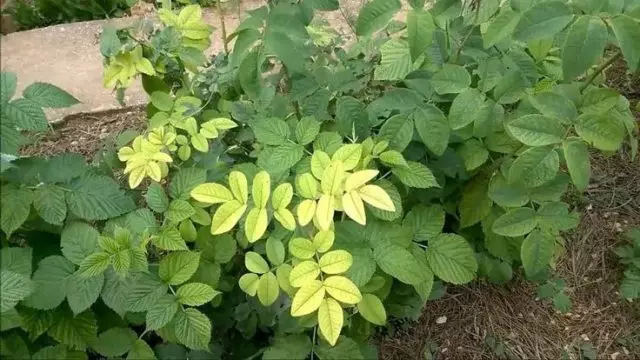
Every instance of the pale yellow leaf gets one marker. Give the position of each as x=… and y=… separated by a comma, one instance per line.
x=335, y=262
x=308, y=298
x=323, y=241
x=136, y=176
x=238, y=185
x=375, y=196
x=227, y=216
x=306, y=209
x=325, y=211
x=285, y=218
x=260, y=189
x=282, y=196
x=342, y=289
x=349, y=154
x=353, y=206
x=249, y=283
x=319, y=162
x=303, y=273
x=330, y=320
x=211, y=193
x=333, y=177
x=302, y=248
x=307, y=186
x=255, y=224
x=359, y=178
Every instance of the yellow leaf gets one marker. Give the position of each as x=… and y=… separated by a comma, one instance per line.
x=125, y=153
x=323, y=241
x=306, y=210
x=136, y=176
x=307, y=186
x=260, y=189
x=223, y=123
x=319, y=162
x=268, y=289
x=282, y=274
x=349, y=154
x=191, y=13
x=200, y=143
x=211, y=193
x=285, y=218
x=359, y=178
x=162, y=157
x=227, y=216
x=375, y=196
x=153, y=171
x=282, y=196
x=325, y=211
x=332, y=178
x=303, y=273
x=307, y=299
x=335, y=262
x=255, y=224
x=249, y=283
x=255, y=263
x=238, y=186
x=209, y=133
x=330, y=320
x=302, y=248
x=354, y=207
x=372, y=309
x=342, y=289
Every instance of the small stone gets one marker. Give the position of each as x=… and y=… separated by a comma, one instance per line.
x=584, y=337
x=615, y=355
x=553, y=322
x=441, y=320
x=589, y=207
x=444, y=350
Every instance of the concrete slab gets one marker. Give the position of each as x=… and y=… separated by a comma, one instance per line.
x=68, y=56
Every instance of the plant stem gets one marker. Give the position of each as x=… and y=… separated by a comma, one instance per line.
x=599, y=70
x=313, y=342
x=223, y=27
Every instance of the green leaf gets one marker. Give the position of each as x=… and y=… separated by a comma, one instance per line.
x=451, y=79
x=192, y=328
x=601, y=131
x=15, y=287
x=345, y=348
x=420, y=29
x=50, y=279
x=27, y=115
x=58, y=352
x=114, y=291
x=399, y=263
x=473, y=153
x=110, y=44
x=501, y=27
x=48, y=200
x=281, y=158
x=543, y=20
x=327, y=142
x=162, y=311
x=372, y=309
x=555, y=217
x=516, y=222
x=254, y=262
x=16, y=259
x=351, y=117
x=433, y=128
x=82, y=291
x=293, y=347
x=536, y=252
x=49, y=96
x=140, y=350
x=268, y=289
x=452, y=259
x=195, y=294
x=416, y=175
x=96, y=197
x=464, y=108
x=271, y=131
x=627, y=30
x=536, y=130
x=77, y=332
x=307, y=130
x=169, y=239
x=8, y=83
x=534, y=167
x=505, y=194
x=393, y=158
x=162, y=101
x=475, y=204
x=396, y=62
x=578, y=161
x=185, y=180
x=426, y=221
x=179, y=210
x=144, y=292
x=375, y=15
x=555, y=106
x=15, y=207
x=630, y=285
x=398, y=131
x=95, y=264
x=115, y=341
x=178, y=267
x=156, y=198
x=583, y=46
x=599, y=101
x=78, y=240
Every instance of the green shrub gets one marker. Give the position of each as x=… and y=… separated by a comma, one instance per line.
x=40, y=13
x=291, y=195
x=630, y=256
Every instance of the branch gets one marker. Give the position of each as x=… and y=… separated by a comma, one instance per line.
x=599, y=70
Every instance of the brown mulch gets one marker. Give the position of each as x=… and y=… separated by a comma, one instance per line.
x=86, y=134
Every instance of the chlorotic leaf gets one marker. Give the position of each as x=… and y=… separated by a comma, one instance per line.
x=330, y=320
x=335, y=262
x=255, y=263
x=375, y=196
x=308, y=298
x=305, y=211
x=227, y=216
x=302, y=248
x=325, y=211
x=268, y=289
x=353, y=206
x=238, y=186
x=323, y=240
x=342, y=289
x=303, y=273
x=256, y=224
x=261, y=189
x=211, y=193
x=249, y=283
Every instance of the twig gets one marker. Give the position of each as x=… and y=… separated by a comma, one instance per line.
x=599, y=70
x=223, y=27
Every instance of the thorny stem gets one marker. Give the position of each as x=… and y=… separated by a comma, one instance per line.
x=599, y=70
x=223, y=27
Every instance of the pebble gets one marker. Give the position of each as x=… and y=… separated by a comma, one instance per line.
x=585, y=337
x=615, y=355
x=441, y=320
